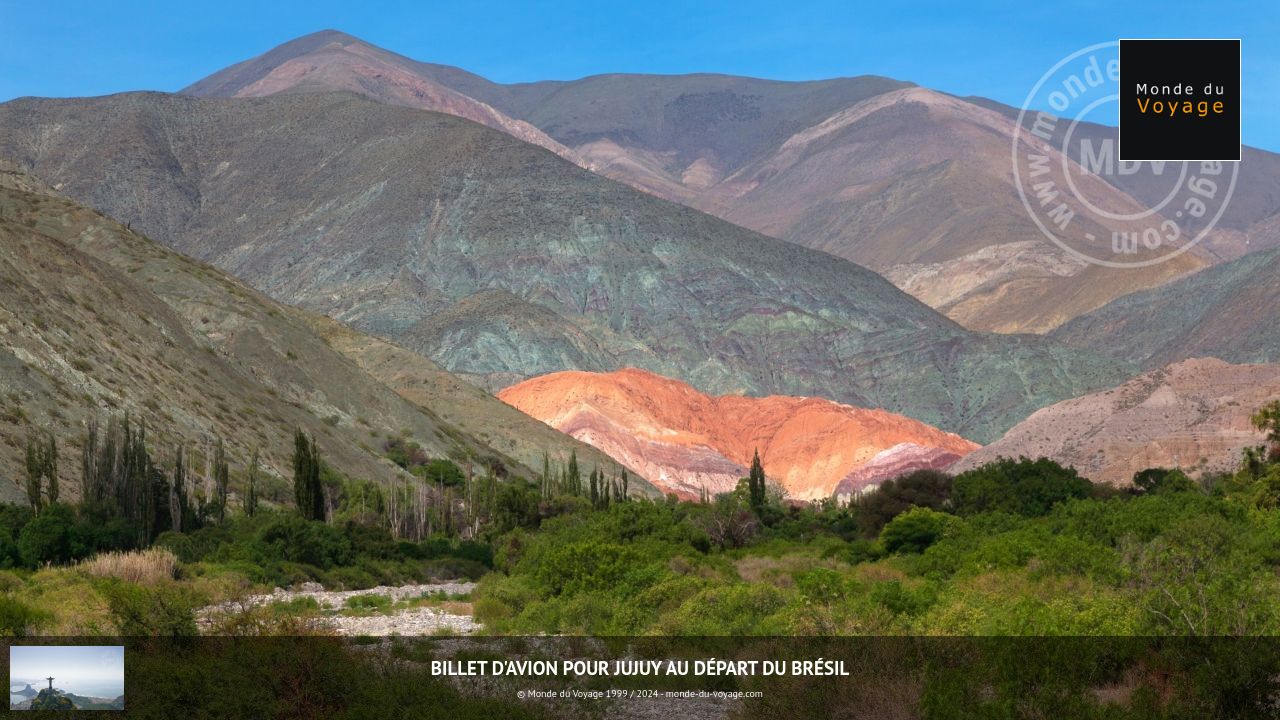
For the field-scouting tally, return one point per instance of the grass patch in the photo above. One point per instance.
(142, 566)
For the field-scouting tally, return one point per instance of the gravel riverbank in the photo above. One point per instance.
(409, 621)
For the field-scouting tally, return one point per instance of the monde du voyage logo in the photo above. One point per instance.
(1154, 187)
(1180, 100)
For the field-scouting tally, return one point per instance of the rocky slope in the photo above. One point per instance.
(96, 320)
(1249, 223)
(461, 404)
(684, 440)
(1193, 414)
(1228, 311)
(916, 185)
(501, 261)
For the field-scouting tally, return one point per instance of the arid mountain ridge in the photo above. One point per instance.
(1193, 415)
(1227, 311)
(501, 261)
(97, 321)
(910, 182)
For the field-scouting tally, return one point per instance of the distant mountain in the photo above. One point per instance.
(1192, 415)
(916, 185)
(84, 702)
(330, 60)
(1228, 311)
(907, 181)
(96, 320)
(501, 261)
(1249, 223)
(27, 691)
(686, 441)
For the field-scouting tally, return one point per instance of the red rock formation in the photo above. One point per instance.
(683, 440)
(1193, 415)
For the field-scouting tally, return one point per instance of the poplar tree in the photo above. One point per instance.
(41, 465)
(308, 494)
(35, 472)
(177, 493)
(574, 477)
(221, 476)
(50, 467)
(251, 486)
(546, 476)
(756, 483)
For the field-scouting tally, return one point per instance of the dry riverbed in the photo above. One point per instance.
(404, 610)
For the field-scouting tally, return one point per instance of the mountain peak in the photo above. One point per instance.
(333, 61)
(230, 81)
(328, 34)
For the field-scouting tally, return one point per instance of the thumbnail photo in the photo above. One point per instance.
(66, 677)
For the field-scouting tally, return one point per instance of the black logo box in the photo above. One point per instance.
(1180, 65)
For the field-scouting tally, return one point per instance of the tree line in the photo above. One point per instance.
(122, 475)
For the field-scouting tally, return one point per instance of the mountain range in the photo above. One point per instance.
(910, 182)
(846, 256)
(502, 261)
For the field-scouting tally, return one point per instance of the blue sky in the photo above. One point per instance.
(79, 669)
(984, 48)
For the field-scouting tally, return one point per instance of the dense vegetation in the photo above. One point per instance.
(1014, 547)
(225, 534)
(1011, 548)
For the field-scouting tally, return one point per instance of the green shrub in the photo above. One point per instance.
(10, 555)
(1160, 480)
(98, 528)
(288, 574)
(296, 606)
(350, 578)
(441, 471)
(310, 542)
(452, 569)
(860, 551)
(922, 488)
(10, 581)
(12, 519)
(372, 602)
(896, 598)
(163, 610)
(821, 585)
(915, 530)
(491, 611)
(1022, 486)
(178, 544)
(737, 609)
(18, 619)
(589, 566)
(47, 538)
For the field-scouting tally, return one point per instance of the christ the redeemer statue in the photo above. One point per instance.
(50, 679)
